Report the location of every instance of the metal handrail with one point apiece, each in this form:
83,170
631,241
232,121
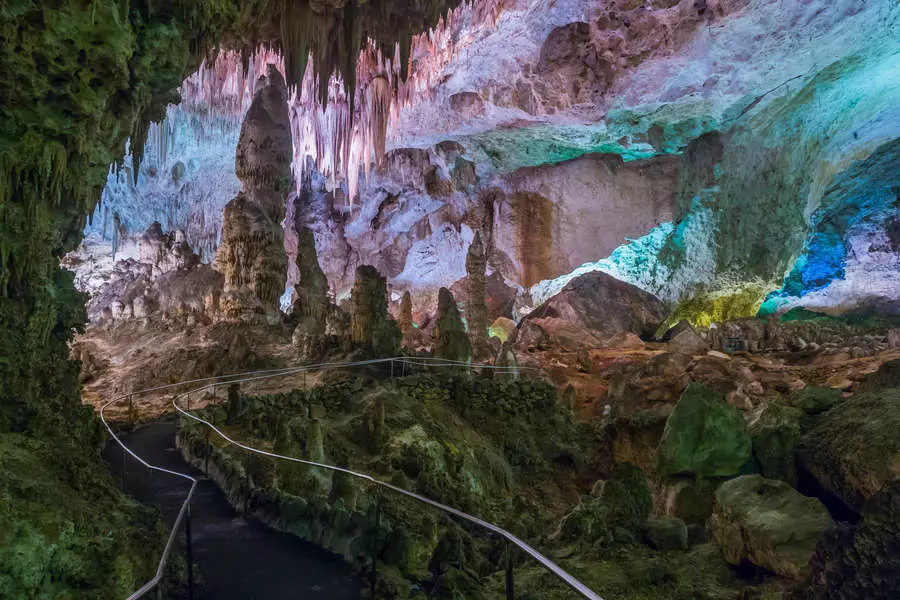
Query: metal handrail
545,562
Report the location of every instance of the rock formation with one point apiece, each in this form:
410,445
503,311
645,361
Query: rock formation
704,436
252,255
590,311
769,524
451,340
476,309
406,319
311,302
854,450
372,328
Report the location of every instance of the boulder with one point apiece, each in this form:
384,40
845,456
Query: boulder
768,523
666,534
854,448
887,376
591,310
704,436
502,328
775,432
684,339
861,561
814,400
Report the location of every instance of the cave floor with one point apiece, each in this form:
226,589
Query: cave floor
236,559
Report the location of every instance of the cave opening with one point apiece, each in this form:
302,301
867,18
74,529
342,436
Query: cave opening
617,279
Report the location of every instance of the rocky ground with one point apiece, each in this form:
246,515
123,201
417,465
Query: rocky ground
753,459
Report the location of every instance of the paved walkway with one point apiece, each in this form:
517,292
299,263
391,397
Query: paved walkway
237,560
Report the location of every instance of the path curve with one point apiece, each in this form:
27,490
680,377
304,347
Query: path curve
237,559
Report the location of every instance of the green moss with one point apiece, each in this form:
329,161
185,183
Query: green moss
704,436
67,540
776,433
636,573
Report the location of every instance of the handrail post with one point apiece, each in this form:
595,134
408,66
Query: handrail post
190,553
392,368
124,457
375,540
510,583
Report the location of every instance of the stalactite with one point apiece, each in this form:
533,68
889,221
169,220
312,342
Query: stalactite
346,83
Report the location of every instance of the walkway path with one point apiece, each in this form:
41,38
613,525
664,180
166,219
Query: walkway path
238,560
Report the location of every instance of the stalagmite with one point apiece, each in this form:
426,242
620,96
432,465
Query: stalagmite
451,341
406,319
372,328
252,255
312,289
476,309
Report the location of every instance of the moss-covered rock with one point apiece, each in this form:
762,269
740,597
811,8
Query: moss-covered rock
887,376
693,500
704,436
853,450
768,523
616,510
814,400
860,561
666,534
776,432
65,531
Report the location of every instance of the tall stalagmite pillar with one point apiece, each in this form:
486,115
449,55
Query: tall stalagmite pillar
372,327
252,255
476,309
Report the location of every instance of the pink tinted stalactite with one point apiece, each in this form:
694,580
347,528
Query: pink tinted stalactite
342,137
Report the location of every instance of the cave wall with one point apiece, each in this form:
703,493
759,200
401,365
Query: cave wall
766,103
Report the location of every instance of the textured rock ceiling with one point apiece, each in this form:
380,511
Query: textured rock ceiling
770,105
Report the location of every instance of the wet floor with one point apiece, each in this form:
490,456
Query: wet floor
238,560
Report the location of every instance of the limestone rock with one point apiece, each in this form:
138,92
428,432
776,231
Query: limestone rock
312,290
893,338
592,310
666,534
861,561
887,376
854,449
776,432
704,436
252,255
768,523
371,326
451,341
814,400
502,328
684,339
165,252
476,309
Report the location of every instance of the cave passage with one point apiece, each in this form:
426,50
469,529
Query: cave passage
236,559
